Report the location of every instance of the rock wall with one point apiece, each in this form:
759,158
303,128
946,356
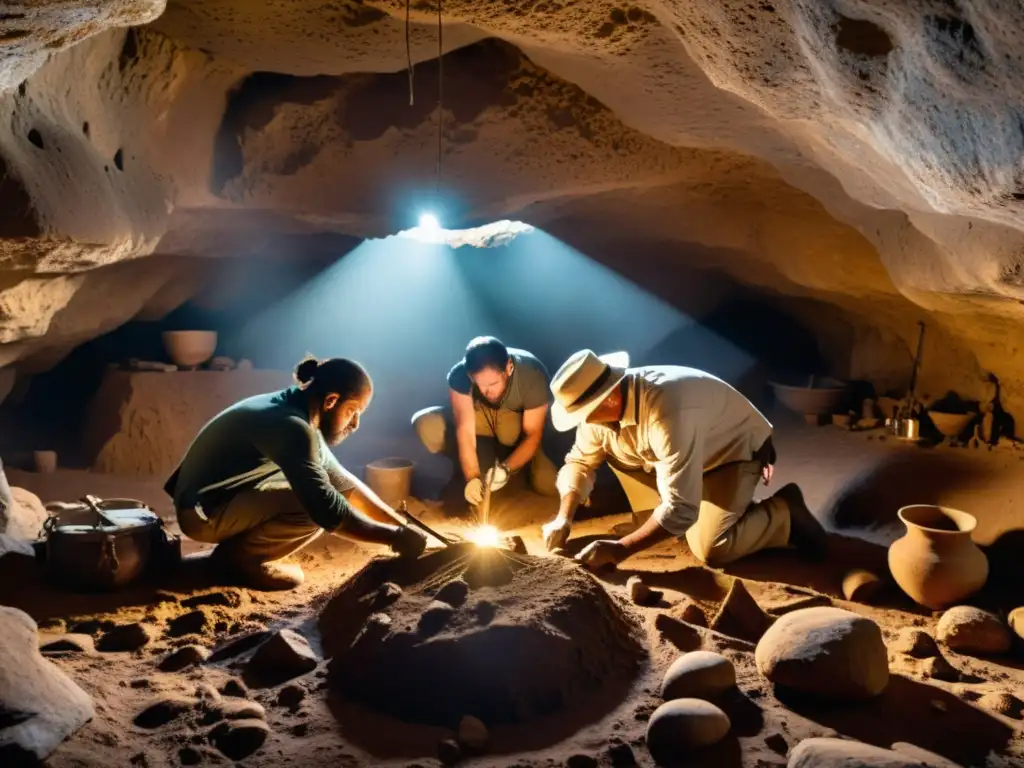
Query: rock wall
844,153
142,422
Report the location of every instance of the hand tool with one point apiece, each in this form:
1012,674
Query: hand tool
403,510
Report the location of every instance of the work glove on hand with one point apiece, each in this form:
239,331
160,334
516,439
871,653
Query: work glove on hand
602,554
409,542
497,476
556,533
474,492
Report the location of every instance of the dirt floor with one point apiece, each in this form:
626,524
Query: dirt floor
852,481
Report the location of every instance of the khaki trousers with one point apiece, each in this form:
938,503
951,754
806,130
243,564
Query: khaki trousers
730,524
255,526
433,425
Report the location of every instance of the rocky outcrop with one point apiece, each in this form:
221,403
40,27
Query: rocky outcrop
834,153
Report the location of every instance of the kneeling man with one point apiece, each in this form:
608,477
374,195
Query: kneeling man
499,405
683,443
260,481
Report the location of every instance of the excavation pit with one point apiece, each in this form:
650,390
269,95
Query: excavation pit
505,637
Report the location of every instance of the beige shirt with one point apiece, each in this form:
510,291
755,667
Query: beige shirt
679,423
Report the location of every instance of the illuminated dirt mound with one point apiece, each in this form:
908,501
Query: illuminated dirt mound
503,637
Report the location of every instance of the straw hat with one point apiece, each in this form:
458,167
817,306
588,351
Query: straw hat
583,381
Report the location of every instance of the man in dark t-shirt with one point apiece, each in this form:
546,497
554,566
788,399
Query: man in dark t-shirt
499,405
260,481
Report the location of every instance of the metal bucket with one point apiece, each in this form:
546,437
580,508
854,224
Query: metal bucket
87,552
391,479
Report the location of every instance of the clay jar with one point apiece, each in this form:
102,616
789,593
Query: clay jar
936,562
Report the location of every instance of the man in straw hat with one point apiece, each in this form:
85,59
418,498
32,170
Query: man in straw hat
683,443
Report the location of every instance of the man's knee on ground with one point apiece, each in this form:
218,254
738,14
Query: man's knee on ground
716,554
430,425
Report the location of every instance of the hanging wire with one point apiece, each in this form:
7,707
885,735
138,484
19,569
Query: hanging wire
440,93
408,48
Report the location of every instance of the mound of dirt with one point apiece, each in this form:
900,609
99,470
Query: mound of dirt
529,637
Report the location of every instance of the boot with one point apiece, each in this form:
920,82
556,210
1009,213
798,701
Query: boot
266,577
806,534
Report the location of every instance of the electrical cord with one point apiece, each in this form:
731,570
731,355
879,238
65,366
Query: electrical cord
440,92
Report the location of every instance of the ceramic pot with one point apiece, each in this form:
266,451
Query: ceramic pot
936,562
189,349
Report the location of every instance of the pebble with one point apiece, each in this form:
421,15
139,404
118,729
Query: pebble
184,657
291,696
242,709
190,623
239,738
473,733
698,675
621,756
448,752
234,687
861,586
937,668
916,643
679,726
69,645
434,618
639,592
387,595
454,593
581,761
1016,621
127,637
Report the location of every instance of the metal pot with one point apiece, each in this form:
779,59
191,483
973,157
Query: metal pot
906,429
102,545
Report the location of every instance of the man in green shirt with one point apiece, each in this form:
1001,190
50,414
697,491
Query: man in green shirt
260,481
499,405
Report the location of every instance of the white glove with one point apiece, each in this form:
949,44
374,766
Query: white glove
474,492
497,476
556,533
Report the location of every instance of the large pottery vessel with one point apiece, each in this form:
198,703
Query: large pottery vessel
936,561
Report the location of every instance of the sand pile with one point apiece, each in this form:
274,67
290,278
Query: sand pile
503,637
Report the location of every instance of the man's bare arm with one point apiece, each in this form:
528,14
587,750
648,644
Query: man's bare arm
533,430
465,433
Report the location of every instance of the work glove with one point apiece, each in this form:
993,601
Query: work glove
409,542
556,533
498,476
474,492
602,554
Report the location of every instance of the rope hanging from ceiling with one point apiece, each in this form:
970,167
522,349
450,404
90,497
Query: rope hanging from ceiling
440,78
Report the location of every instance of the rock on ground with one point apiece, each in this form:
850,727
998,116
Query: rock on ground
41,705
843,753
828,652
916,643
25,520
285,655
679,726
698,675
970,630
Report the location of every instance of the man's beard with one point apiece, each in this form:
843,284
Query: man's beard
336,438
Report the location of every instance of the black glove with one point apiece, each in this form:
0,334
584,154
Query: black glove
409,542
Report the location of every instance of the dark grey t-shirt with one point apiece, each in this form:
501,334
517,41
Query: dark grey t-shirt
528,387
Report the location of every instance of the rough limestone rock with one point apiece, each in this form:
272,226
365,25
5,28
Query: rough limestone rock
915,642
285,655
41,705
881,135
185,656
971,630
844,753
679,726
25,520
698,675
828,652
142,422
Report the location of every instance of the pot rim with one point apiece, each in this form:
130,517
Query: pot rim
965,522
